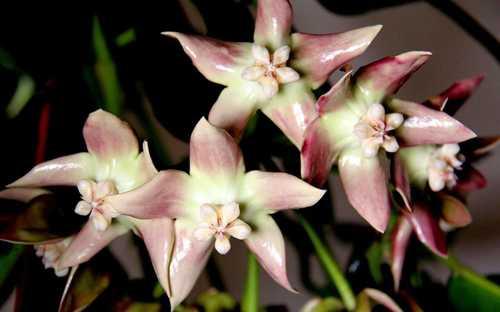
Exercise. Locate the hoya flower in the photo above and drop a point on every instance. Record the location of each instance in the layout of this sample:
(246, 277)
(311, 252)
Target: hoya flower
(275, 73)
(360, 122)
(112, 165)
(216, 204)
(51, 253)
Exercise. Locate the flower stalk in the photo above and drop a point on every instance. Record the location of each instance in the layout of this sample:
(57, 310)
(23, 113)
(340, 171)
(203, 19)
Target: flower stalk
(250, 301)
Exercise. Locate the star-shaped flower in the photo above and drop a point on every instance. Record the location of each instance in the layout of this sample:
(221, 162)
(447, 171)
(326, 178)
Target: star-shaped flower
(360, 122)
(215, 202)
(275, 73)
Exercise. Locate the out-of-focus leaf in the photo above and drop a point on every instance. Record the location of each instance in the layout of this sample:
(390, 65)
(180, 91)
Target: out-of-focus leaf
(330, 304)
(125, 37)
(353, 7)
(472, 294)
(143, 307)
(46, 218)
(24, 92)
(7, 261)
(215, 301)
(193, 16)
(105, 71)
(250, 301)
(374, 255)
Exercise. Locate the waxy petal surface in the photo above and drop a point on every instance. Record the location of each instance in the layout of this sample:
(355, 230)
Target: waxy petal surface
(109, 138)
(336, 97)
(400, 237)
(424, 125)
(454, 212)
(273, 191)
(401, 180)
(317, 56)
(267, 243)
(219, 61)
(382, 299)
(469, 180)
(427, 229)
(365, 183)
(66, 170)
(273, 23)
(22, 194)
(89, 242)
(166, 195)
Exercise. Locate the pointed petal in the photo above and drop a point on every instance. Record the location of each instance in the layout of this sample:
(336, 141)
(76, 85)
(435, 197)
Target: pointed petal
(469, 180)
(267, 243)
(387, 75)
(451, 99)
(337, 96)
(400, 238)
(454, 212)
(233, 109)
(479, 147)
(273, 23)
(278, 191)
(365, 183)
(286, 75)
(158, 236)
(239, 229)
(188, 260)
(292, 110)
(166, 195)
(427, 229)
(214, 153)
(24, 195)
(281, 55)
(219, 61)
(107, 137)
(401, 180)
(88, 242)
(66, 170)
(424, 125)
(382, 299)
(261, 54)
(318, 56)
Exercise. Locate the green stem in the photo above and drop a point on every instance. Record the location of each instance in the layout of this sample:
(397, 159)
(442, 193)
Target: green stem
(459, 269)
(250, 301)
(331, 267)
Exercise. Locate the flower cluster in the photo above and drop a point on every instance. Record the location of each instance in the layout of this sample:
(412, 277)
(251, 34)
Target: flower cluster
(358, 125)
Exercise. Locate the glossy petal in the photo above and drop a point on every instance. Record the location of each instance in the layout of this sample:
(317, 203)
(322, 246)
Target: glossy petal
(67, 170)
(387, 75)
(317, 56)
(158, 236)
(424, 125)
(22, 194)
(401, 180)
(108, 138)
(400, 237)
(273, 23)
(233, 109)
(427, 229)
(219, 61)
(469, 180)
(451, 99)
(166, 195)
(267, 243)
(88, 242)
(214, 154)
(278, 191)
(292, 110)
(365, 183)
(383, 299)
(188, 260)
(454, 212)
(336, 97)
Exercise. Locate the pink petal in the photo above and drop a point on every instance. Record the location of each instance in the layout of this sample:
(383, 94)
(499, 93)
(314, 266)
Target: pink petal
(400, 238)
(401, 180)
(479, 147)
(469, 180)
(22, 194)
(317, 56)
(424, 125)
(88, 242)
(214, 153)
(454, 212)
(451, 99)
(336, 97)
(365, 183)
(219, 61)
(158, 236)
(67, 170)
(278, 191)
(292, 110)
(426, 227)
(233, 109)
(268, 245)
(166, 195)
(188, 260)
(273, 23)
(107, 137)
(383, 299)
(387, 75)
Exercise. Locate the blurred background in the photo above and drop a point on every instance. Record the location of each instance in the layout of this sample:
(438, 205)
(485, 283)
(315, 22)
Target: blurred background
(64, 62)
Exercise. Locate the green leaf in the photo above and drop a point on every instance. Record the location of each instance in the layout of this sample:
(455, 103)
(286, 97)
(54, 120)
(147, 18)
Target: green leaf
(7, 261)
(250, 301)
(24, 92)
(215, 301)
(374, 255)
(125, 38)
(471, 294)
(143, 307)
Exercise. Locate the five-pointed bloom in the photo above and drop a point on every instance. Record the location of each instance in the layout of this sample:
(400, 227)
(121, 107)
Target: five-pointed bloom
(276, 72)
(359, 122)
(215, 202)
(112, 165)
